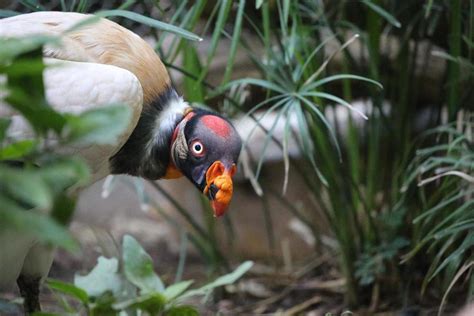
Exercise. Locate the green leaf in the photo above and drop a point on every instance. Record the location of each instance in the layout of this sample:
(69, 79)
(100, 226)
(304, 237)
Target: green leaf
(184, 310)
(455, 255)
(383, 13)
(69, 289)
(17, 150)
(150, 22)
(98, 126)
(26, 187)
(220, 281)
(176, 289)
(83, 23)
(337, 100)
(328, 79)
(103, 278)
(428, 7)
(63, 173)
(63, 208)
(194, 89)
(12, 47)
(8, 13)
(33, 106)
(257, 82)
(235, 41)
(44, 228)
(4, 124)
(138, 266)
(103, 305)
(152, 303)
(26, 90)
(25, 67)
(225, 7)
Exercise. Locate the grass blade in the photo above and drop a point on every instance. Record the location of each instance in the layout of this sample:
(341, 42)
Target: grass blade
(150, 22)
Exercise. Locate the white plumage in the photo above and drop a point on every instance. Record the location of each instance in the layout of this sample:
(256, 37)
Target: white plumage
(73, 87)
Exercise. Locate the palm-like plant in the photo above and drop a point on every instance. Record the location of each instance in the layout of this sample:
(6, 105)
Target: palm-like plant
(444, 172)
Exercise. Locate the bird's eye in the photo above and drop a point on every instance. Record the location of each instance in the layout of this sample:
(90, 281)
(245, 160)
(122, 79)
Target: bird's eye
(197, 148)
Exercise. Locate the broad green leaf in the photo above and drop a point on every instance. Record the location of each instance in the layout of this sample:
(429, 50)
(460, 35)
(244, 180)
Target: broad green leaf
(63, 208)
(25, 67)
(62, 173)
(98, 126)
(34, 108)
(138, 267)
(26, 187)
(17, 150)
(150, 22)
(220, 281)
(69, 289)
(103, 278)
(26, 91)
(12, 47)
(176, 289)
(43, 227)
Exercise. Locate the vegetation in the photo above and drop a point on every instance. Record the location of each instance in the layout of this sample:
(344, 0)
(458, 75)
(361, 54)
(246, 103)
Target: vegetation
(396, 190)
(134, 288)
(44, 190)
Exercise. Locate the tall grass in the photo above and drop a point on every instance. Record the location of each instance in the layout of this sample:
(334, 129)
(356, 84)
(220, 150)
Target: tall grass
(444, 174)
(359, 178)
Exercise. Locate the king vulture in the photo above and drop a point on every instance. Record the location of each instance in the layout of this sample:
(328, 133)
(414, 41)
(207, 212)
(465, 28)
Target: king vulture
(99, 64)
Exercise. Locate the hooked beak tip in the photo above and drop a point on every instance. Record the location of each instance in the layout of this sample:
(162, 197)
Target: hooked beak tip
(219, 187)
(218, 208)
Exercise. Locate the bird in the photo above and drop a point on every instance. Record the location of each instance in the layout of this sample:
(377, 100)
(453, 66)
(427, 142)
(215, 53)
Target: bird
(102, 63)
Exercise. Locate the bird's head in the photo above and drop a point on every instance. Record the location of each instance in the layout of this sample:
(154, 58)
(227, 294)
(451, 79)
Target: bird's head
(205, 148)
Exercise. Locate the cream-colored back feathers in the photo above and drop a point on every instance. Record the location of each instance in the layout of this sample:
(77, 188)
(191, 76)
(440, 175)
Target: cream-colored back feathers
(103, 42)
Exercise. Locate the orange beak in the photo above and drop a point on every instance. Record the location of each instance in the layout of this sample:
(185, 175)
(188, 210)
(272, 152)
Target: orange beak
(221, 178)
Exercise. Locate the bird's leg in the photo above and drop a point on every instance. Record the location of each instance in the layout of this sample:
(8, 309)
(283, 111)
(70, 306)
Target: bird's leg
(29, 290)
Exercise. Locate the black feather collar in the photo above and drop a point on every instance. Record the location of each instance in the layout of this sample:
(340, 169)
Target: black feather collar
(147, 151)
